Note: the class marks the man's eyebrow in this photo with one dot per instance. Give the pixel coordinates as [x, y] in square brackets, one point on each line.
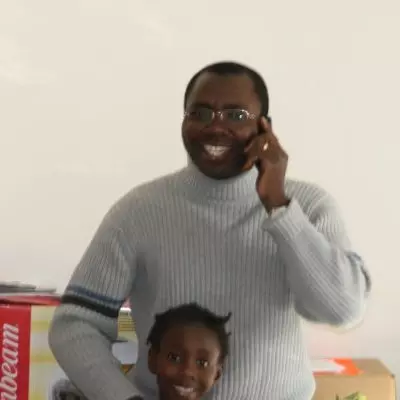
[234, 105]
[225, 106]
[200, 105]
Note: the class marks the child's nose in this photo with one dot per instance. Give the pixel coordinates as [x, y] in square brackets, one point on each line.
[188, 370]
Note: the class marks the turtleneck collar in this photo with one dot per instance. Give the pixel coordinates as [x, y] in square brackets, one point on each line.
[241, 187]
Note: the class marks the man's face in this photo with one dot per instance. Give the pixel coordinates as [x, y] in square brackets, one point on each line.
[187, 364]
[222, 117]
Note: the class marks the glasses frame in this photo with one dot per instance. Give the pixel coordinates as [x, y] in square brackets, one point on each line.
[220, 115]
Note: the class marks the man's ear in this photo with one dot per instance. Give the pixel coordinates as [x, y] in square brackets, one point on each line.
[152, 361]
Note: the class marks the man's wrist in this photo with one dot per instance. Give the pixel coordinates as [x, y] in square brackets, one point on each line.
[272, 207]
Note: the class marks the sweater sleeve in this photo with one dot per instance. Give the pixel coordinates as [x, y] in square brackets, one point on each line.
[85, 325]
[329, 280]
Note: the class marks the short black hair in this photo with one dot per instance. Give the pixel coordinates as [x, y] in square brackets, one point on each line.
[233, 68]
[190, 314]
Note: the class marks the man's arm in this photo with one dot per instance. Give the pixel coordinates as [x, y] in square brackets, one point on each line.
[329, 280]
[85, 324]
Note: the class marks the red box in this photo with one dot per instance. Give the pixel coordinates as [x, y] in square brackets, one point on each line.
[28, 370]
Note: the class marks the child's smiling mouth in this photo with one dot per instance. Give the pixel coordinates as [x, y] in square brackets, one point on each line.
[184, 391]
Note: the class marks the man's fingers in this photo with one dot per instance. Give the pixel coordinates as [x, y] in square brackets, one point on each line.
[267, 132]
[265, 126]
[252, 152]
[255, 148]
[265, 147]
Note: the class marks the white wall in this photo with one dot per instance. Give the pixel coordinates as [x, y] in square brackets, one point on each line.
[90, 105]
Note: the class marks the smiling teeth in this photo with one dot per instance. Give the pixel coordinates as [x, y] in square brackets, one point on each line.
[184, 391]
[216, 151]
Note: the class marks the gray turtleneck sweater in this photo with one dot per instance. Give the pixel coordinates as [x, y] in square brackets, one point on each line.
[185, 237]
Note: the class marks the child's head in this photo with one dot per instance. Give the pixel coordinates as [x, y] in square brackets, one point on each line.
[188, 347]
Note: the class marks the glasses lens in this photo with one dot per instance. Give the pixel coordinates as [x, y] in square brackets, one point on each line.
[236, 115]
[201, 114]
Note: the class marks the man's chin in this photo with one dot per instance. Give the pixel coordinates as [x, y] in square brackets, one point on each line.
[219, 173]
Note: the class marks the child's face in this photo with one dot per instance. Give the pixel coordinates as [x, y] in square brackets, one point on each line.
[188, 363]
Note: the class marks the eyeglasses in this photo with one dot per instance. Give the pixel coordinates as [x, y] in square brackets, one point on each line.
[207, 115]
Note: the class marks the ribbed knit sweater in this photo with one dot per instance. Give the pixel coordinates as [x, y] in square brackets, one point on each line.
[185, 237]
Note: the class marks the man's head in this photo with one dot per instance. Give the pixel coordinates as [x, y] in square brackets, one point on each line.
[223, 104]
[188, 347]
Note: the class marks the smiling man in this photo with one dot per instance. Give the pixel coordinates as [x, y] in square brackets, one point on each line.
[229, 231]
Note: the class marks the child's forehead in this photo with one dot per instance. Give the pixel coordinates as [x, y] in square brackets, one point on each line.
[195, 335]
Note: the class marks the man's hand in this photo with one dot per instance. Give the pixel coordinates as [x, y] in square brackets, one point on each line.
[271, 160]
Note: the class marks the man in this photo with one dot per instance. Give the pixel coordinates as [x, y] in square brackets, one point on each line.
[230, 232]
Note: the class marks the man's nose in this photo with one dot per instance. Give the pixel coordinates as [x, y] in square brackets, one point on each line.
[217, 124]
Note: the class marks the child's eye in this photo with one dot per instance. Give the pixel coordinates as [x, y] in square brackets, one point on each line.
[202, 363]
[174, 357]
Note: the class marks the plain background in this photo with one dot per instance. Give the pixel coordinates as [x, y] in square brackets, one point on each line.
[91, 104]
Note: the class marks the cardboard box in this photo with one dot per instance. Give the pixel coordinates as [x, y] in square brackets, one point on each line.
[370, 378]
[28, 370]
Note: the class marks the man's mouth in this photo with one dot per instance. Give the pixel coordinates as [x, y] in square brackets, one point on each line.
[216, 151]
[183, 390]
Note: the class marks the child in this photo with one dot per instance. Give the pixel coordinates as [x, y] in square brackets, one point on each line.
[188, 347]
